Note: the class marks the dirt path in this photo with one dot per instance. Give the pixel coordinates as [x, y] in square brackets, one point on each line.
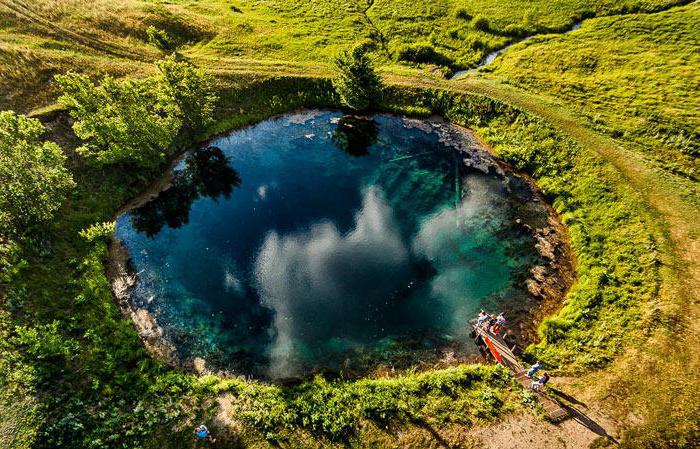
[529, 431]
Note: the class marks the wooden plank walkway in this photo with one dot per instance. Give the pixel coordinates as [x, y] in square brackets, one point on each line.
[504, 355]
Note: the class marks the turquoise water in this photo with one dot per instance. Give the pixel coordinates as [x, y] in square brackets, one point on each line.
[315, 240]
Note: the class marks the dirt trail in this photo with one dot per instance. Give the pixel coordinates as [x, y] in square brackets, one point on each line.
[529, 431]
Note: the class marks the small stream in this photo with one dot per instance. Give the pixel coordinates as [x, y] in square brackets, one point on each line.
[494, 54]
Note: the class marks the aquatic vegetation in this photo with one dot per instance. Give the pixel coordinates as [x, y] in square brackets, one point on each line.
[393, 243]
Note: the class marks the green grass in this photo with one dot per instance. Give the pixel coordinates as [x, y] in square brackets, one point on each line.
[583, 113]
[38, 40]
[631, 76]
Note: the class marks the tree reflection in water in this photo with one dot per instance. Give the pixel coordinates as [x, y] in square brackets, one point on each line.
[206, 173]
[354, 135]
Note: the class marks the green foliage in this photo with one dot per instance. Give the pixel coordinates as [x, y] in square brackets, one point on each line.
[192, 89]
[356, 82]
[33, 175]
[422, 54]
[462, 13]
[97, 231]
[334, 409]
[481, 23]
[159, 38]
[130, 122]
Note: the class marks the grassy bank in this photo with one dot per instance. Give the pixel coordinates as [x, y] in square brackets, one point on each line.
[84, 365]
[645, 61]
[607, 127]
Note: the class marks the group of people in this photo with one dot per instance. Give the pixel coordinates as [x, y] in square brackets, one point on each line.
[539, 381]
[495, 324]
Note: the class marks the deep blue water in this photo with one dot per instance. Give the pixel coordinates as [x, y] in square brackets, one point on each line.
[315, 240]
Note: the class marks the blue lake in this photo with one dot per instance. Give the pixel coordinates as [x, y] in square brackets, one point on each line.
[315, 240]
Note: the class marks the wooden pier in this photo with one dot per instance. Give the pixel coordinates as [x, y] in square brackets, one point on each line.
[504, 355]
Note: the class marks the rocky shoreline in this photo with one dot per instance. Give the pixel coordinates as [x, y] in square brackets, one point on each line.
[546, 286]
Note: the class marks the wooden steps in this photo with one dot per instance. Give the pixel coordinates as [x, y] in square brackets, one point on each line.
[504, 355]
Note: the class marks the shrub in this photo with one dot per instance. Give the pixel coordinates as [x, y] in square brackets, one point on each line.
[159, 38]
[481, 23]
[33, 175]
[462, 13]
[131, 122]
[514, 30]
[357, 83]
[192, 89]
[554, 328]
[423, 54]
[97, 231]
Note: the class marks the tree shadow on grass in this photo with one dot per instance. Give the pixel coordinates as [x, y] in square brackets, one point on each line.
[436, 436]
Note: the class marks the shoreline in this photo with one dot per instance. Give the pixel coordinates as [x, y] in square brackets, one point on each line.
[546, 285]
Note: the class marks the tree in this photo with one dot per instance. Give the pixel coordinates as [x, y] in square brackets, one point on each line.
[130, 122]
[33, 175]
[357, 83]
[192, 89]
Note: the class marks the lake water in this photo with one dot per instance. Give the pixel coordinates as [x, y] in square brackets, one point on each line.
[315, 240]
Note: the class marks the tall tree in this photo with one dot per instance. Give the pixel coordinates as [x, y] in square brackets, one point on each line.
[357, 82]
[192, 89]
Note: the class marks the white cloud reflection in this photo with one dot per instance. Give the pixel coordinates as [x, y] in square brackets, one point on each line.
[467, 269]
[320, 283]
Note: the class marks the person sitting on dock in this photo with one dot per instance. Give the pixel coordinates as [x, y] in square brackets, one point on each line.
[499, 324]
[491, 323]
[533, 369]
[482, 318]
[541, 382]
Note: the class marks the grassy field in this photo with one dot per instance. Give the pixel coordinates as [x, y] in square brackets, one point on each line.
[299, 37]
[646, 62]
[604, 118]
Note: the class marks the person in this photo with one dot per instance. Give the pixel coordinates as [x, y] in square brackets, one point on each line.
[541, 382]
[491, 322]
[483, 317]
[533, 369]
[500, 323]
[203, 434]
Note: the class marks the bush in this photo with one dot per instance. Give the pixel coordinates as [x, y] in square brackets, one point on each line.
[98, 231]
[423, 54]
[159, 38]
[481, 23]
[33, 175]
[357, 83]
[514, 30]
[130, 122]
[462, 13]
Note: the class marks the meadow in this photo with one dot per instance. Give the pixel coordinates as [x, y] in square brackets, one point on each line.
[605, 119]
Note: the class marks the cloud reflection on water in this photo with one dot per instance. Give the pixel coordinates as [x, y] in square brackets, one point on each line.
[306, 276]
[324, 286]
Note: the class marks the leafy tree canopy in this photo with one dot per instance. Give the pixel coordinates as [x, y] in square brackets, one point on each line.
[357, 83]
[130, 121]
[136, 121]
[192, 89]
[33, 175]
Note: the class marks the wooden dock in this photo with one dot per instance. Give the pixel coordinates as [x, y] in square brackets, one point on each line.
[504, 355]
